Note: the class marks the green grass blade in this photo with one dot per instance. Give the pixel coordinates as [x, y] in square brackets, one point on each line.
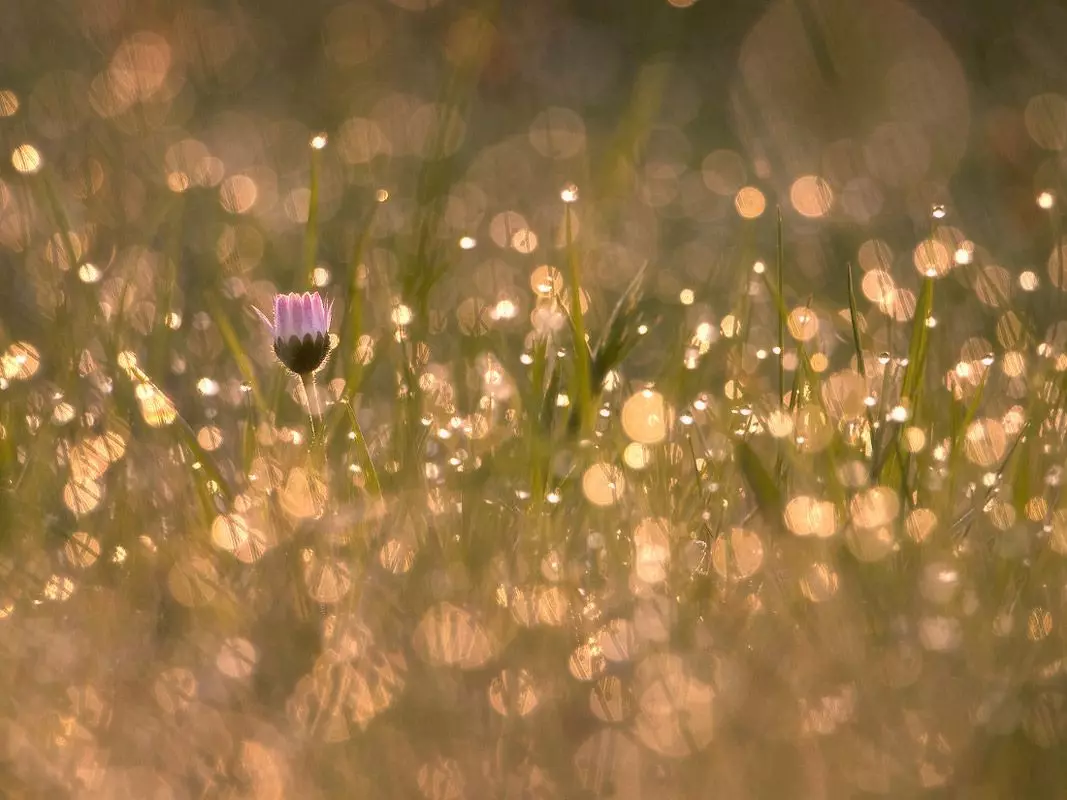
[809, 376]
[237, 351]
[363, 455]
[764, 487]
[892, 469]
[311, 230]
[162, 333]
[918, 343]
[187, 435]
[853, 316]
[780, 274]
[621, 332]
[352, 324]
[582, 371]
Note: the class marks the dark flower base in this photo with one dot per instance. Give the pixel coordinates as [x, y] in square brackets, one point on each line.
[302, 356]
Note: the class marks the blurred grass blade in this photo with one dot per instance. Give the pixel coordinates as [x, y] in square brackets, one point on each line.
[187, 435]
[861, 364]
[240, 356]
[248, 441]
[780, 273]
[428, 265]
[517, 370]
[918, 343]
[891, 470]
[764, 488]
[352, 323]
[960, 430]
[311, 230]
[162, 332]
[363, 455]
[353, 370]
[582, 370]
[779, 252]
[547, 416]
[805, 376]
[631, 134]
[621, 333]
[853, 316]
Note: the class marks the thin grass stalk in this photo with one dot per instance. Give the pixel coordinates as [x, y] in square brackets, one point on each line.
[63, 312]
[891, 468]
[779, 253]
[1055, 226]
[853, 316]
[352, 326]
[159, 341]
[582, 371]
[366, 463]
[861, 364]
[959, 431]
[780, 273]
[311, 230]
[534, 416]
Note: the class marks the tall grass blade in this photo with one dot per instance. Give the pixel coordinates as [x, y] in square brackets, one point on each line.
[780, 274]
[237, 351]
[582, 369]
[853, 316]
[891, 470]
[352, 323]
[208, 466]
[311, 229]
[765, 488]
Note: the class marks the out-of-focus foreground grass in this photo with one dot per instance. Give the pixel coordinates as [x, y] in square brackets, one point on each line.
[666, 448]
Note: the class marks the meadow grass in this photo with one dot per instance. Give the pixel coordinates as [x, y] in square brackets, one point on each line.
[528, 520]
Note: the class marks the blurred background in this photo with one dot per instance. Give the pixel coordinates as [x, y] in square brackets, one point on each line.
[194, 602]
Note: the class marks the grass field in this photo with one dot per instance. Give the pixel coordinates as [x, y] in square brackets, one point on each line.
[606, 489]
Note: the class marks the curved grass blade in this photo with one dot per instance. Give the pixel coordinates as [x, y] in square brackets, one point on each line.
[240, 356]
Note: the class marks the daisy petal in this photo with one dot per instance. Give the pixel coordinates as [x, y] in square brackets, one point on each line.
[296, 316]
[309, 322]
[289, 315]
